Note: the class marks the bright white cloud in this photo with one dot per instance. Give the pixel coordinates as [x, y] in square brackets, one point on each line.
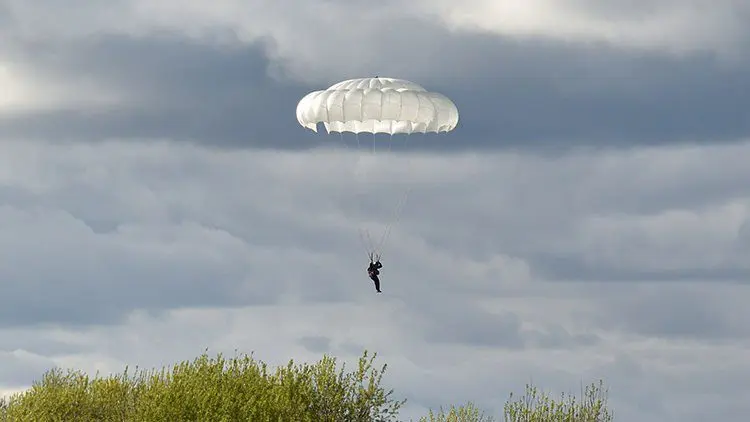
[21, 92]
[13, 92]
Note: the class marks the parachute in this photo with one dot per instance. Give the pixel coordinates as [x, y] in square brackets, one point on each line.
[377, 106]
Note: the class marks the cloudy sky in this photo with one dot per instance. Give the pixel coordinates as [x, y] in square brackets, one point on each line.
[587, 219]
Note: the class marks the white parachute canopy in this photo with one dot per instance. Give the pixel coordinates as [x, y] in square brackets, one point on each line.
[377, 105]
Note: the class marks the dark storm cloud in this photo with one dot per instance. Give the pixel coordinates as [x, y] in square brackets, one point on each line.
[511, 93]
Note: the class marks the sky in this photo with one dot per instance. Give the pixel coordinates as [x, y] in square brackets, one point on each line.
[587, 219]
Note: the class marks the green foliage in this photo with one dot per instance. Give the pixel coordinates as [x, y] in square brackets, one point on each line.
[238, 389]
[464, 413]
[537, 406]
[244, 389]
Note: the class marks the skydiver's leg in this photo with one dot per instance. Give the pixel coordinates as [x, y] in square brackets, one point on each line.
[376, 280]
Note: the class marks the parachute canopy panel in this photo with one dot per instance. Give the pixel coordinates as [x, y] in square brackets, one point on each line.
[377, 105]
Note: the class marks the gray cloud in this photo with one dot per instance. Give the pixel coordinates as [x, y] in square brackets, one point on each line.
[103, 277]
[571, 268]
[684, 311]
[106, 199]
[171, 88]
[37, 342]
[316, 344]
[19, 366]
[455, 322]
[511, 93]
[556, 336]
[564, 232]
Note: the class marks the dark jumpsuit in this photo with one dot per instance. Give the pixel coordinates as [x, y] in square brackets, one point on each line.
[373, 272]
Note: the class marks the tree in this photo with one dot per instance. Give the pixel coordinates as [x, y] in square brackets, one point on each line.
[244, 389]
[216, 389]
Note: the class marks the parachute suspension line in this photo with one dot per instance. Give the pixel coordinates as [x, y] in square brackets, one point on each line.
[362, 241]
[359, 189]
[394, 220]
[399, 206]
[364, 233]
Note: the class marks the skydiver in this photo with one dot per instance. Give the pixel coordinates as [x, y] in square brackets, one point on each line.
[373, 272]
